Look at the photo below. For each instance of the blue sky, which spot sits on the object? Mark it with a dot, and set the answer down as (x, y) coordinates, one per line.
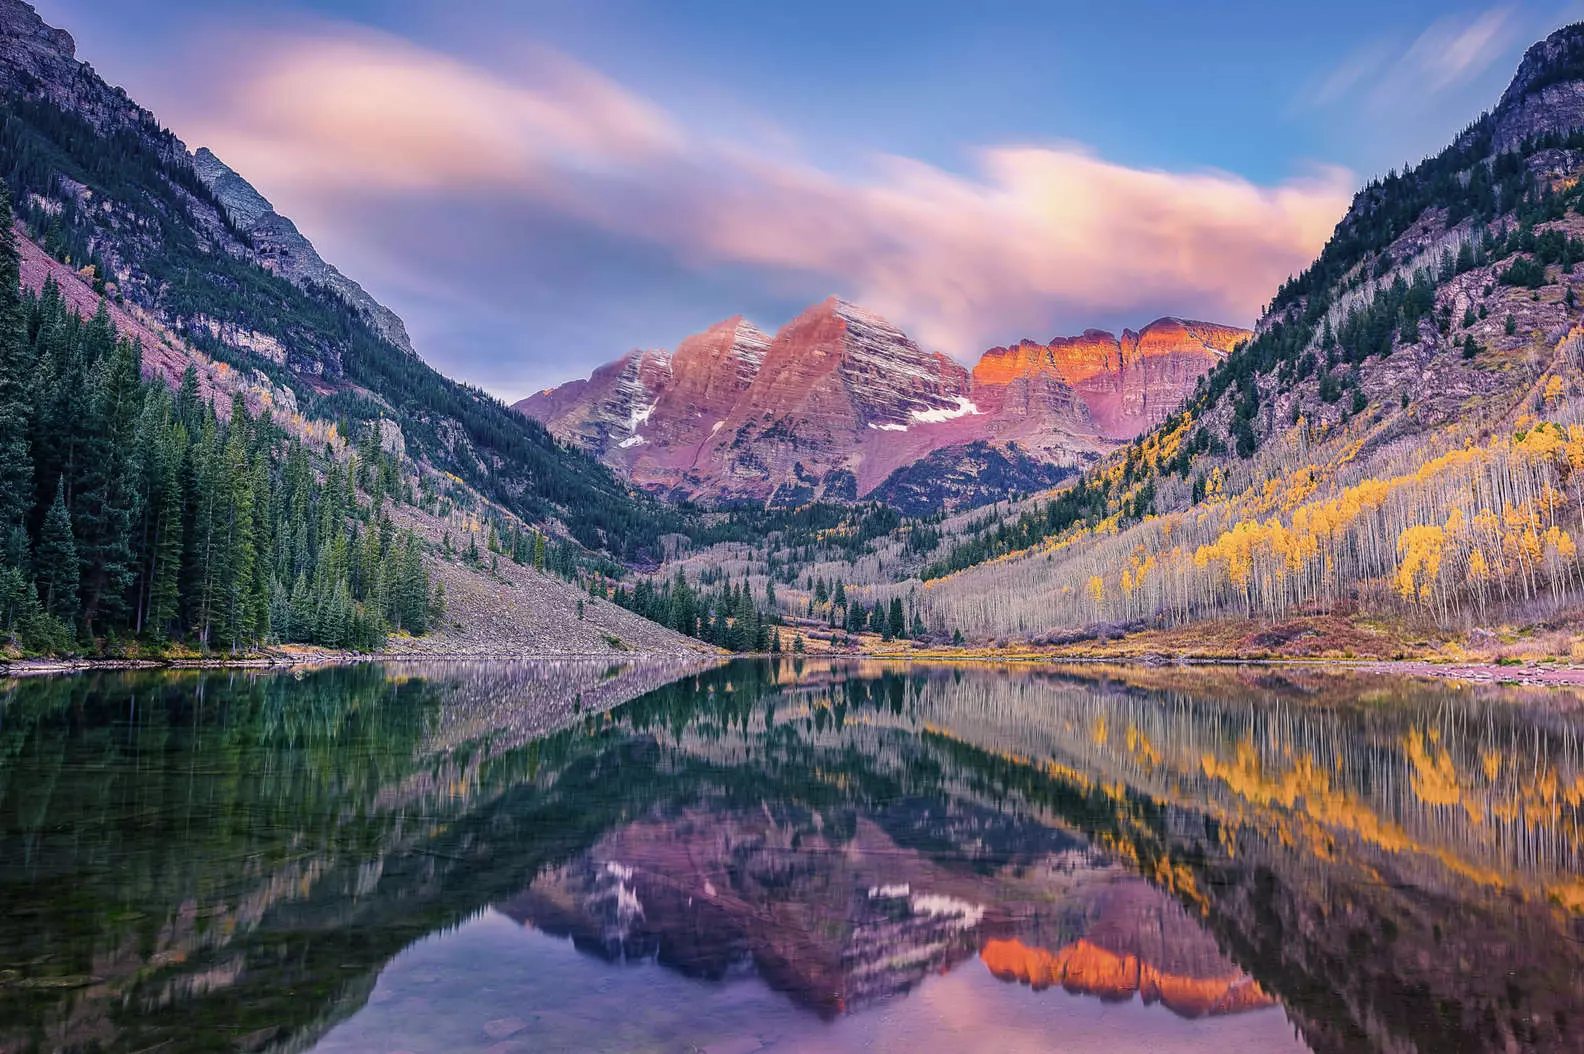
(538, 187)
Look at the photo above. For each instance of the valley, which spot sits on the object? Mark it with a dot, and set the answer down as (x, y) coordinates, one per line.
(1388, 464)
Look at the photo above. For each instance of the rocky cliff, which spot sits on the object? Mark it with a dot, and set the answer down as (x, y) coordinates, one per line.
(840, 401)
(1124, 385)
(1546, 94)
(281, 247)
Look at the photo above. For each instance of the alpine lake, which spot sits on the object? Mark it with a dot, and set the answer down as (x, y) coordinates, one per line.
(788, 855)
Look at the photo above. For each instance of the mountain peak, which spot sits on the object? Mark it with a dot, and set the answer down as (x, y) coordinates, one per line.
(1547, 92)
(1558, 57)
(241, 201)
(29, 42)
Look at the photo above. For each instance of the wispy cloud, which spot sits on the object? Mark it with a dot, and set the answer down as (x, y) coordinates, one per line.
(1032, 232)
(1409, 75)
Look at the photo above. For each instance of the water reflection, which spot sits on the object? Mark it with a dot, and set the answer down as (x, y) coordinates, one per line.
(789, 855)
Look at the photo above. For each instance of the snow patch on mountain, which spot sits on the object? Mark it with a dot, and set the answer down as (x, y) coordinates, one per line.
(639, 415)
(965, 406)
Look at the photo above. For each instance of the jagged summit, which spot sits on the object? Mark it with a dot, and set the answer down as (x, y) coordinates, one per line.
(840, 399)
(1547, 92)
(31, 46)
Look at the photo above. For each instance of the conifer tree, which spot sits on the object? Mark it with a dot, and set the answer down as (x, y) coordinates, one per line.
(166, 547)
(16, 465)
(55, 563)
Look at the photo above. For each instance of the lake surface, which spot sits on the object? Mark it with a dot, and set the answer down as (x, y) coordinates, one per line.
(788, 856)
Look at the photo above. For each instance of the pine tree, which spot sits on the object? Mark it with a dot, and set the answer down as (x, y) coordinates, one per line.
(104, 499)
(205, 532)
(55, 562)
(189, 410)
(239, 550)
(165, 557)
(16, 464)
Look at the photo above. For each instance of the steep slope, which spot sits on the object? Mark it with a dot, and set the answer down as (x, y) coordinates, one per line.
(830, 410)
(965, 477)
(281, 248)
(841, 401)
(601, 413)
(1403, 435)
(191, 247)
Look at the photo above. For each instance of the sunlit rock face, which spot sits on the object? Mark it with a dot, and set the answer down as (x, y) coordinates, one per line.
(603, 412)
(1120, 386)
(831, 411)
(827, 408)
(709, 373)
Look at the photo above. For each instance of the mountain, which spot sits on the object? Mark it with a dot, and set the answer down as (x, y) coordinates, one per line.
(840, 401)
(1403, 437)
(194, 252)
(967, 476)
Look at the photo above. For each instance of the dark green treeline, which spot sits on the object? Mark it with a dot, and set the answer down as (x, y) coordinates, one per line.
(127, 511)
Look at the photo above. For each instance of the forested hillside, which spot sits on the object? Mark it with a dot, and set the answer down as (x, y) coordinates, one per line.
(205, 446)
(127, 510)
(102, 187)
(1404, 432)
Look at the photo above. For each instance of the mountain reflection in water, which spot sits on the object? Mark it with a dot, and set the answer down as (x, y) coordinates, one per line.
(789, 855)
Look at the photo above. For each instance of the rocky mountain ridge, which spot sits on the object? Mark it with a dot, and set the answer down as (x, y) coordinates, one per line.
(281, 247)
(840, 400)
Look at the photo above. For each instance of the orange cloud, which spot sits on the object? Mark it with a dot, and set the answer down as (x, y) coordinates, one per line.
(961, 260)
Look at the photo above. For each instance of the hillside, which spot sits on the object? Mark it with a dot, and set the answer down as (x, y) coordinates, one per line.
(214, 439)
(842, 405)
(1402, 437)
(99, 184)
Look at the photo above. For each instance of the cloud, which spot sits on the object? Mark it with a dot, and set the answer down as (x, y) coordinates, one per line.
(1450, 53)
(1395, 77)
(1031, 233)
(383, 115)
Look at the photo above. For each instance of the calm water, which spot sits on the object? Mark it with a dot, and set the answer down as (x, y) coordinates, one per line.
(788, 858)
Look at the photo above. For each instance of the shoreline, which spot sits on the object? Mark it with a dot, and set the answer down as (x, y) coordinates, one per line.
(1527, 674)
(46, 666)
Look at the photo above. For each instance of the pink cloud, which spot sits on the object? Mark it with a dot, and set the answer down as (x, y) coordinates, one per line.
(961, 260)
(351, 109)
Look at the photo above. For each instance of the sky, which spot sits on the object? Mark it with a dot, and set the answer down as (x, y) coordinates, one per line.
(539, 186)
